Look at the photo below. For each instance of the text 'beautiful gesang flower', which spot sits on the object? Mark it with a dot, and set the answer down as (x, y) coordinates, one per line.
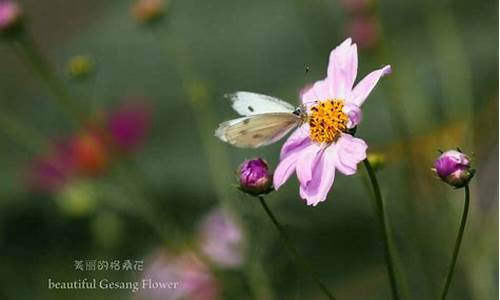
(324, 144)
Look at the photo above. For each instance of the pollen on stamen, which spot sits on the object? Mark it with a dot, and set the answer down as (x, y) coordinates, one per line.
(327, 121)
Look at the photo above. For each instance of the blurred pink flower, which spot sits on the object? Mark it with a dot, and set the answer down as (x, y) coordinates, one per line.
(83, 154)
(364, 31)
(129, 124)
(10, 14)
(50, 172)
(89, 152)
(325, 144)
(221, 239)
(194, 280)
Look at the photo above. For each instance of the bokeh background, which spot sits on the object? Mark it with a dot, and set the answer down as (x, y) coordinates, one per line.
(149, 195)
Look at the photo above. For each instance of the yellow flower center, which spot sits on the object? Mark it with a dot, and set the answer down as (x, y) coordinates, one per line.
(327, 121)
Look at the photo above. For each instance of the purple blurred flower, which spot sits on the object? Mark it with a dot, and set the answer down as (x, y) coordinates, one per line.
(129, 125)
(10, 14)
(50, 172)
(364, 31)
(454, 168)
(254, 177)
(221, 239)
(194, 280)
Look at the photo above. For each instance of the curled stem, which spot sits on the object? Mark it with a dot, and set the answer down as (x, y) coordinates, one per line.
(389, 257)
(303, 263)
(458, 242)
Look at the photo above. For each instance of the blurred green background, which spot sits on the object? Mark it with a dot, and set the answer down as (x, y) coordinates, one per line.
(443, 93)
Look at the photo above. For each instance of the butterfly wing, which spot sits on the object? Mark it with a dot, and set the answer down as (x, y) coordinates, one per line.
(249, 104)
(257, 130)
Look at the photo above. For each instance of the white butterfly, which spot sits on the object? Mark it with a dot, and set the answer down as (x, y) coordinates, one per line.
(266, 120)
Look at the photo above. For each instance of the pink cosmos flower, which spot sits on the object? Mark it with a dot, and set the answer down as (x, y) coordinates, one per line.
(221, 239)
(323, 145)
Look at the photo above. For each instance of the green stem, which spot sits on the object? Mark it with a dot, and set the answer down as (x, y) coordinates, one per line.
(30, 52)
(387, 238)
(306, 267)
(458, 241)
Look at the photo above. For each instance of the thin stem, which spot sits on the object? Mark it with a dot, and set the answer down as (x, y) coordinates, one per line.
(387, 238)
(30, 52)
(458, 241)
(307, 268)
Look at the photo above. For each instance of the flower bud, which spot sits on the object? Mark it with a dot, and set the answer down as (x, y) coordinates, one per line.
(254, 177)
(10, 15)
(80, 66)
(147, 11)
(454, 168)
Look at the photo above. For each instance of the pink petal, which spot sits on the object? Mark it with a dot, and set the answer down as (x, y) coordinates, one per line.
(284, 170)
(365, 86)
(323, 175)
(296, 140)
(291, 151)
(318, 92)
(306, 162)
(354, 113)
(348, 152)
(342, 69)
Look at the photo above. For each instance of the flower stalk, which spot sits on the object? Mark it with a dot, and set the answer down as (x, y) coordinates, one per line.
(303, 263)
(458, 242)
(389, 256)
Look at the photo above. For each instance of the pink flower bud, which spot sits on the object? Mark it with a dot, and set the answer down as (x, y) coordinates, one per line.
(254, 177)
(454, 168)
